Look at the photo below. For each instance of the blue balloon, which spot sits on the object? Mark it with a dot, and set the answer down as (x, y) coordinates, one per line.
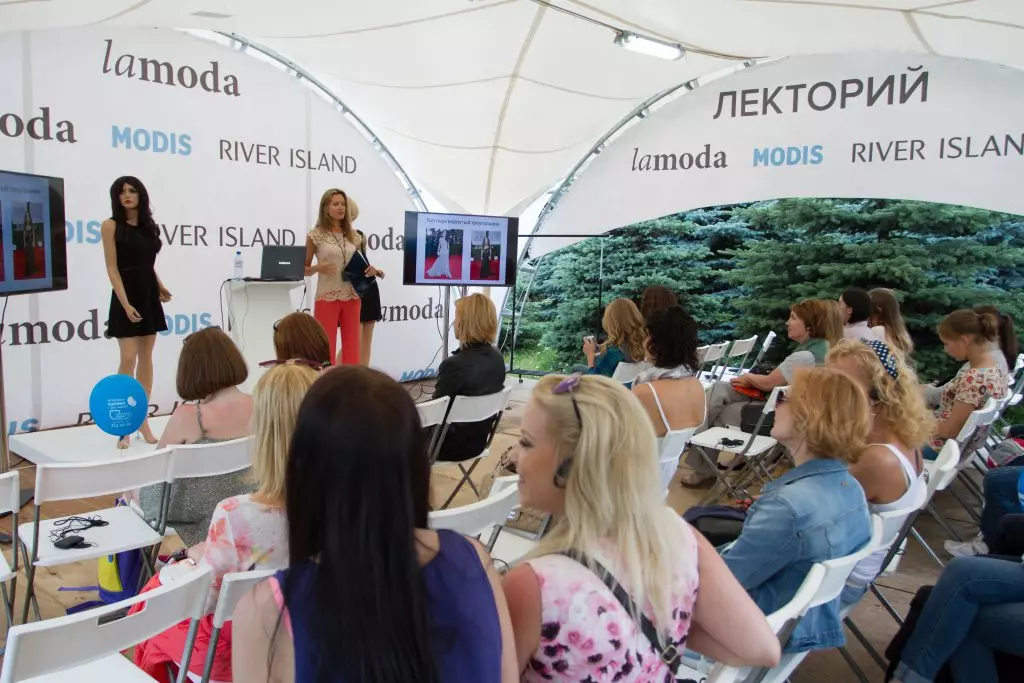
(118, 405)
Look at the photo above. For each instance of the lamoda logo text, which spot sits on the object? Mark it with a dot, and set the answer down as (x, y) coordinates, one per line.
(152, 70)
(44, 126)
(91, 328)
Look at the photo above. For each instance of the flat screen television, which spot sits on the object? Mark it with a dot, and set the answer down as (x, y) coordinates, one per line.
(32, 238)
(457, 249)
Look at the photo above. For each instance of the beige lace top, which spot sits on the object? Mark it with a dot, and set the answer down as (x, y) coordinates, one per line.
(332, 247)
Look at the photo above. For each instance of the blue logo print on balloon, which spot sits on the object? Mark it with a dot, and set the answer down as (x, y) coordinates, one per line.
(118, 405)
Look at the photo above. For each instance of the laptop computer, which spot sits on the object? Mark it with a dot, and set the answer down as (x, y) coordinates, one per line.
(283, 264)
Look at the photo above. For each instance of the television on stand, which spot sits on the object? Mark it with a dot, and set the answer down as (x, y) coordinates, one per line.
(32, 239)
(450, 249)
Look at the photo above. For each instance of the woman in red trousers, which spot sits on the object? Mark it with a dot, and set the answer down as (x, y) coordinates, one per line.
(333, 242)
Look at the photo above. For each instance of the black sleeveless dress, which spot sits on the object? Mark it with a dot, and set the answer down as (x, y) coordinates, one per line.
(369, 308)
(136, 254)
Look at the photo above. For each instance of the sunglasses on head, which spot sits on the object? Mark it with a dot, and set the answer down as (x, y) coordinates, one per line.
(294, 361)
(185, 340)
(567, 386)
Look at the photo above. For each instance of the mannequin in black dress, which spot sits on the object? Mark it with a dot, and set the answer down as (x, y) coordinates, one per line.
(131, 241)
(369, 311)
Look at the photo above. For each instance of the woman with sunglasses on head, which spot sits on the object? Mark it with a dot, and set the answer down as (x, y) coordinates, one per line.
(890, 469)
(815, 511)
(587, 456)
(372, 594)
(299, 335)
(131, 242)
(247, 532)
(210, 370)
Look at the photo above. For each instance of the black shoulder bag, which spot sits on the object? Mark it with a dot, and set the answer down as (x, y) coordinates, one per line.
(669, 655)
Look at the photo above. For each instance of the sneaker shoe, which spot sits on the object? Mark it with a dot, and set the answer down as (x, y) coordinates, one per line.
(976, 546)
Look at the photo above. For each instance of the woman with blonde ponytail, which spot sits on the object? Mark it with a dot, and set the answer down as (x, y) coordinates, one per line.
(587, 455)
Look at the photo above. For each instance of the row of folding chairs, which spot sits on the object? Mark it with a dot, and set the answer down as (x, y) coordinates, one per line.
(441, 413)
(125, 530)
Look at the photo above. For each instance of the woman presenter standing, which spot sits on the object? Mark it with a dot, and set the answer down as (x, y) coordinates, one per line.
(334, 242)
(131, 241)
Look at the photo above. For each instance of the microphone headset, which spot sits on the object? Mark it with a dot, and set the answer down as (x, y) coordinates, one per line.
(562, 473)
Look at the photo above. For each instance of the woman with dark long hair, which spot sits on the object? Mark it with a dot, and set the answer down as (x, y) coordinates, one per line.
(131, 241)
(372, 595)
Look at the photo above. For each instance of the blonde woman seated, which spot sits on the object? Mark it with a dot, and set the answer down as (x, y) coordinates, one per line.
(886, 321)
(247, 532)
(210, 370)
(625, 344)
(587, 455)
(890, 469)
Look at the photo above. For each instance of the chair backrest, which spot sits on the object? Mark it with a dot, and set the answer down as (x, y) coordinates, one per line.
(773, 400)
(741, 347)
(44, 647)
(502, 483)
(838, 570)
(714, 353)
(432, 412)
(10, 492)
(190, 461)
(944, 471)
(981, 417)
(68, 481)
(627, 372)
(471, 519)
(893, 521)
(232, 588)
(670, 449)
(767, 344)
(1017, 365)
(477, 408)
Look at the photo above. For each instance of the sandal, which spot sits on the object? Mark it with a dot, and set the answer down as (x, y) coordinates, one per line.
(124, 442)
(692, 480)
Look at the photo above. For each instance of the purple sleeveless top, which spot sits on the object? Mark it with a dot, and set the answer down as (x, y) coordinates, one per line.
(467, 632)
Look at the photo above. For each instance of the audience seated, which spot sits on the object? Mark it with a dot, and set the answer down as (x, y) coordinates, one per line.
(587, 455)
(815, 511)
(476, 368)
(890, 469)
(1001, 490)
(967, 336)
(812, 325)
(210, 369)
(625, 329)
(855, 305)
(974, 611)
(248, 531)
(1003, 347)
(299, 335)
(371, 594)
(670, 391)
(655, 298)
(887, 322)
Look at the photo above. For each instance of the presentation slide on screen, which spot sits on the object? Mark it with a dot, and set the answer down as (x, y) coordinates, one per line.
(25, 237)
(461, 250)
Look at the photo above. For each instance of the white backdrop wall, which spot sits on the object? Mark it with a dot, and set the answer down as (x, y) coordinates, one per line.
(858, 126)
(208, 203)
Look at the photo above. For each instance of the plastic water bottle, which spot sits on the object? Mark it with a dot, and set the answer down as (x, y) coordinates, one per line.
(238, 265)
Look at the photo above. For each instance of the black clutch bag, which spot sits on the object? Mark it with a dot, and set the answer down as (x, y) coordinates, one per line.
(355, 274)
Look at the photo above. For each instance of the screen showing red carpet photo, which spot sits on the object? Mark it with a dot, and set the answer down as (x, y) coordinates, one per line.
(435, 271)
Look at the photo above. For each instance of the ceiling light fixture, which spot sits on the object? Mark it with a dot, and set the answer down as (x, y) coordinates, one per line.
(211, 15)
(652, 47)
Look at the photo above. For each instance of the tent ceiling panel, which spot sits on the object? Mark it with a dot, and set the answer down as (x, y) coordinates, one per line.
(459, 89)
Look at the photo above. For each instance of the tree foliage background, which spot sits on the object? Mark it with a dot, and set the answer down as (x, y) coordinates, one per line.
(738, 268)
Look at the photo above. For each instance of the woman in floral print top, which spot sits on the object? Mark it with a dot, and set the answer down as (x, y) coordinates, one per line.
(967, 335)
(587, 455)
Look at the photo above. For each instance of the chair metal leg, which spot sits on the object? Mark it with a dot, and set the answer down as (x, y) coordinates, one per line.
(865, 644)
(924, 544)
(853, 665)
(933, 511)
(186, 653)
(8, 606)
(972, 487)
(464, 480)
(965, 505)
(30, 571)
(210, 653)
(887, 605)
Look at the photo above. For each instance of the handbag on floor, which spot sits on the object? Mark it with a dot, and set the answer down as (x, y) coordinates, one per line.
(523, 519)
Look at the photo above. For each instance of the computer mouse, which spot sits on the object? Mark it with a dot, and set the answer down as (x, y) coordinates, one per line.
(69, 542)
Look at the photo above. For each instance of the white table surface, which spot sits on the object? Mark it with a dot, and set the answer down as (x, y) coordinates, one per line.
(79, 444)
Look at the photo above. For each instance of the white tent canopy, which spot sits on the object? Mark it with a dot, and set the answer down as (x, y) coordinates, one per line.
(488, 103)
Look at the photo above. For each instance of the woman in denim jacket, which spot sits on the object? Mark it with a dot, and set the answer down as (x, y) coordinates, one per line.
(814, 512)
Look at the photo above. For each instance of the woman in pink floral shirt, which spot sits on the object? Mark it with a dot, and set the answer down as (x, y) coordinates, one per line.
(587, 455)
(967, 335)
(247, 532)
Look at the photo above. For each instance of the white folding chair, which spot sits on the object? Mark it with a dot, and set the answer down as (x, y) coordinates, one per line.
(836, 573)
(80, 648)
(713, 354)
(741, 349)
(971, 438)
(767, 344)
(432, 415)
(125, 530)
(627, 372)
(670, 450)
(10, 502)
(471, 409)
(756, 448)
(196, 461)
(232, 588)
(480, 517)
